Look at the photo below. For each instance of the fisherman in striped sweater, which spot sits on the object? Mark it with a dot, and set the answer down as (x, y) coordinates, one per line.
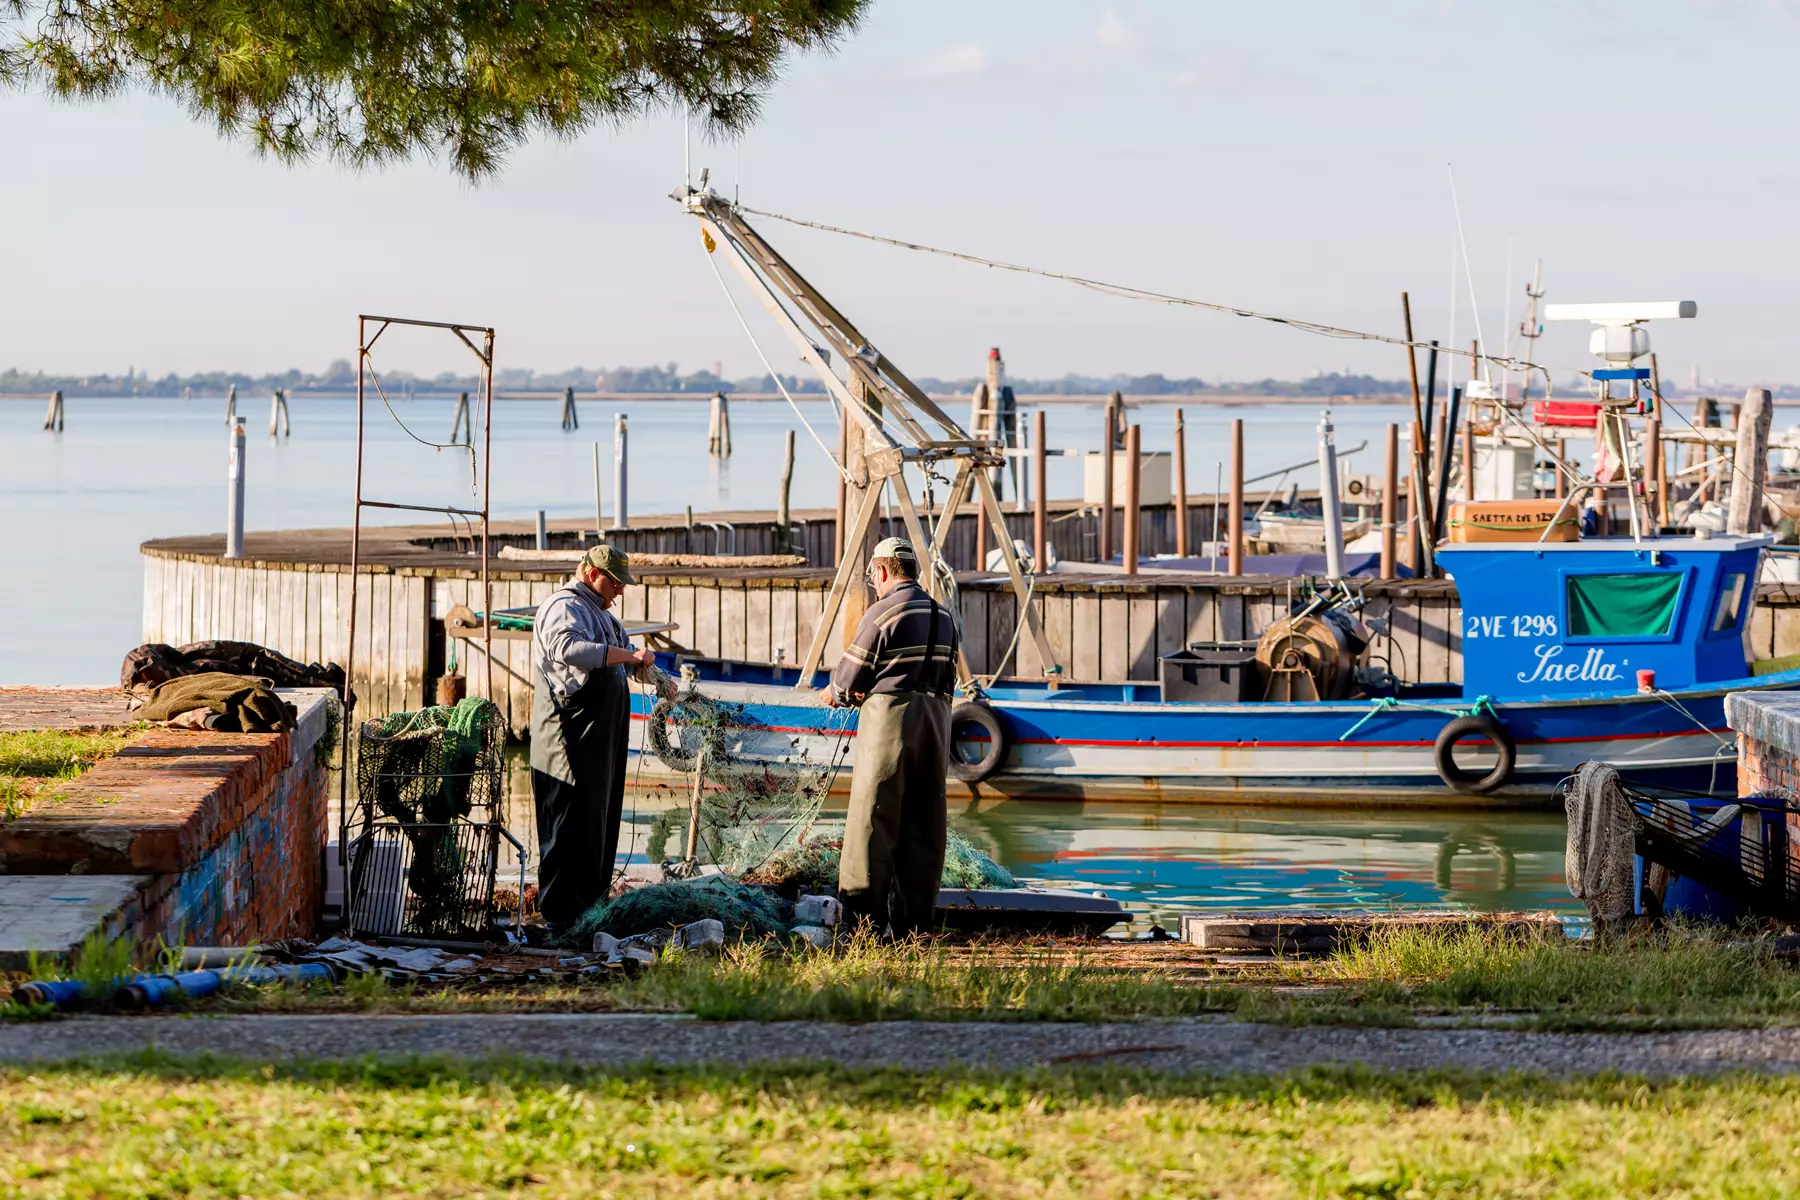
(900, 670)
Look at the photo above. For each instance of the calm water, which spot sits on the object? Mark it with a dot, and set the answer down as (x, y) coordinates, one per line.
(77, 504)
(1164, 859)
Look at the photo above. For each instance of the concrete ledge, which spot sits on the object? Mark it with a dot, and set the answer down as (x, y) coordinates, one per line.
(1772, 718)
(163, 802)
(52, 915)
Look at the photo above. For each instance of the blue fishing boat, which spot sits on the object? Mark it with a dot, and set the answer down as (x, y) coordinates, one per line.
(1610, 649)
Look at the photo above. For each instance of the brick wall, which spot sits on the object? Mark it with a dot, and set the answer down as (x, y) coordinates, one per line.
(226, 829)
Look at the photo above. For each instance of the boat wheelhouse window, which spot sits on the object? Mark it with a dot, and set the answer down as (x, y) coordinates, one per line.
(1731, 603)
(1641, 604)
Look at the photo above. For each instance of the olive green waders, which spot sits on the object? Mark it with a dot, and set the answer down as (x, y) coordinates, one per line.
(894, 835)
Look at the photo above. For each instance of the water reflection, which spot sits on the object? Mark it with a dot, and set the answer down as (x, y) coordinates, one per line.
(1163, 859)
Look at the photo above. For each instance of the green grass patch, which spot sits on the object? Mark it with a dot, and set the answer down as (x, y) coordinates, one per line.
(153, 1127)
(1679, 976)
(33, 762)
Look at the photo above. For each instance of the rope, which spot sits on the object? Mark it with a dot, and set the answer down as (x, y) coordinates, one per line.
(773, 374)
(1126, 292)
(376, 380)
(1482, 704)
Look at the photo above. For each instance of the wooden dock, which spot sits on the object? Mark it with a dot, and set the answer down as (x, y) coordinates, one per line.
(291, 591)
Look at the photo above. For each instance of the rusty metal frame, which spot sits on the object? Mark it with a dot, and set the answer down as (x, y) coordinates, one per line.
(485, 393)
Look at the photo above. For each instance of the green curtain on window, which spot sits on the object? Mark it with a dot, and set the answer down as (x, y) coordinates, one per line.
(1639, 605)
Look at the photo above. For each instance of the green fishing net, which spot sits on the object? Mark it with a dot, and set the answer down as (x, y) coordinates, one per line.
(743, 909)
(813, 863)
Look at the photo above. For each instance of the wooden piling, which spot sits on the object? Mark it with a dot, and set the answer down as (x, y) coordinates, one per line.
(599, 520)
(1181, 503)
(231, 405)
(1468, 457)
(1234, 549)
(1750, 464)
(570, 420)
(718, 429)
(1562, 480)
(1040, 469)
(1418, 501)
(53, 415)
(462, 426)
(621, 473)
(279, 423)
(1390, 500)
(1106, 483)
(862, 490)
(1133, 464)
(783, 513)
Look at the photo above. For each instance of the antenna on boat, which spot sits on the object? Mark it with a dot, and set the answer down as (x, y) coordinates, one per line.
(1620, 339)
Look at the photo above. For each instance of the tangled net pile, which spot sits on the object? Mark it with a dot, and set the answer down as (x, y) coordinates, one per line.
(752, 808)
(424, 771)
(759, 822)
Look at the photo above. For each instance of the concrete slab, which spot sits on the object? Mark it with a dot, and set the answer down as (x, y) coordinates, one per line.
(52, 914)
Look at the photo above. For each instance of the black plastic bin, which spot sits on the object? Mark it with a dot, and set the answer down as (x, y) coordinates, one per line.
(1211, 672)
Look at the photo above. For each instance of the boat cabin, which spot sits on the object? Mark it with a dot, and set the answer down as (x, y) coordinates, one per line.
(1580, 617)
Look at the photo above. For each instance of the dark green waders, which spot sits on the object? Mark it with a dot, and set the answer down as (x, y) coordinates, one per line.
(894, 835)
(579, 756)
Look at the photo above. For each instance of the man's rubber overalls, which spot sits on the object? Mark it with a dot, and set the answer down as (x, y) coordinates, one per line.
(578, 764)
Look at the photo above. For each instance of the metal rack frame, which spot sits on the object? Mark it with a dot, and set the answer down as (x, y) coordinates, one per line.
(365, 342)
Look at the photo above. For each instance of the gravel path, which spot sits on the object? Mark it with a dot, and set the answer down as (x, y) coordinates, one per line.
(624, 1039)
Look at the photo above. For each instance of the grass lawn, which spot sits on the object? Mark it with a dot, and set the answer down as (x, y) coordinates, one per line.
(33, 762)
(1678, 978)
(157, 1128)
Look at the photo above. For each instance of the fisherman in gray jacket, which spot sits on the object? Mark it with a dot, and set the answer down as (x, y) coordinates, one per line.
(900, 669)
(580, 728)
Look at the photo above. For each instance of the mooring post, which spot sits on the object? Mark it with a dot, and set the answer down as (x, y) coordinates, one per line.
(621, 513)
(693, 829)
(53, 415)
(1181, 504)
(571, 421)
(1329, 499)
(783, 514)
(1750, 464)
(234, 493)
(231, 404)
(462, 425)
(1234, 547)
(1040, 464)
(1390, 499)
(1468, 457)
(1106, 483)
(543, 532)
(718, 429)
(1133, 443)
(278, 414)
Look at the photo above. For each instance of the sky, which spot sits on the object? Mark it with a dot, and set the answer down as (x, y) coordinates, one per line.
(1292, 157)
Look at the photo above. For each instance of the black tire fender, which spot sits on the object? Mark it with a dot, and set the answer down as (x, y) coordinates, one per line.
(998, 743)
(1469, 783)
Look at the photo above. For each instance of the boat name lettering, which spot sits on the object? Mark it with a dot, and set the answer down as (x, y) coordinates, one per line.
(1517, 625)
(1592, 668)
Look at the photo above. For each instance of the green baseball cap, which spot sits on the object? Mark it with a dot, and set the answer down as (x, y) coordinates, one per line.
(610, 561)
(898, 548)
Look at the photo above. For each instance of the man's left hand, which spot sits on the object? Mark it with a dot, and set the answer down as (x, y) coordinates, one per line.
(828, 696)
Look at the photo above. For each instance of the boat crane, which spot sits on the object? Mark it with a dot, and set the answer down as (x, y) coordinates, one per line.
(900, 423)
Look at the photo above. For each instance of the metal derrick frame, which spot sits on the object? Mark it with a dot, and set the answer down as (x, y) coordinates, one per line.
(903, 407)
(485, 354)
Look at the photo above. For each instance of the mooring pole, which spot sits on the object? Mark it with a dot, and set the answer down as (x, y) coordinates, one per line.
(234, 493)
(783, 513)
(53, 416)
(1106, 484)
(1234, 547)
(231, 404)
(1329, 500)
(599, 518)
(621, 513)
(1390, 500)
(543, 532)
(570, 420)
(1417, 501)
(279, 424)
(1040, 468)
(1181, 504)
(1133, 443)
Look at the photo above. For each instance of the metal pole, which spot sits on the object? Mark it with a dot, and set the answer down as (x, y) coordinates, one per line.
(1040, 466)
(487, 509)
(1106, 486)
(1390, 500)
(543, 532)
(1441, 495)
(621, 510)
(1328, 500)
(1132, 496)
(1234, 549)
(234, 493)
(1181, 504)
(783, 513)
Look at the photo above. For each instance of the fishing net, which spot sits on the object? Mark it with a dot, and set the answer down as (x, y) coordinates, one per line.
(427, 777)
(744, 910)
(813, 863)
(761, 792)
